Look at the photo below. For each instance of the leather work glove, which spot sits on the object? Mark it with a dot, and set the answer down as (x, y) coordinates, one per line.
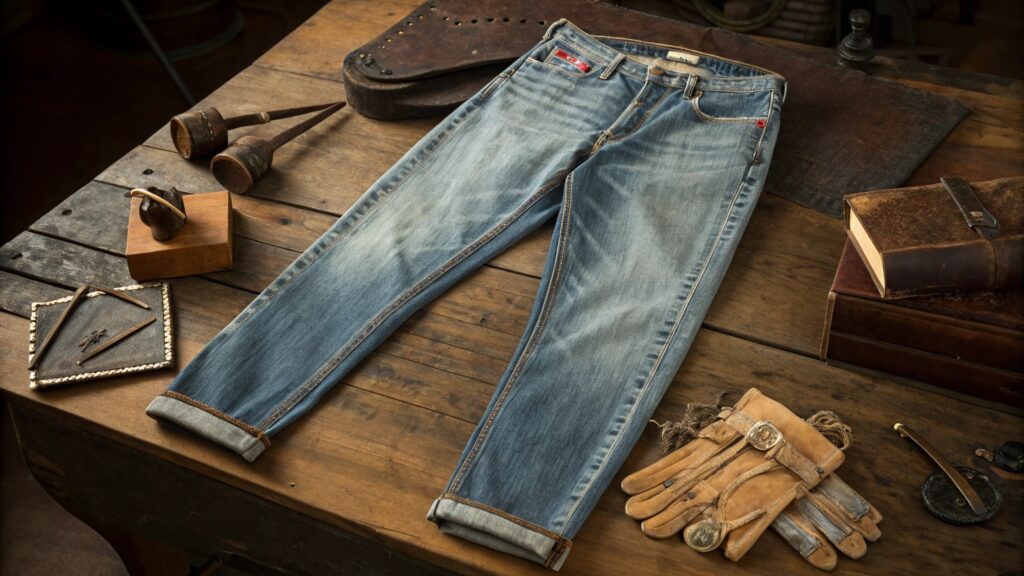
(832, 512)
(729, 484)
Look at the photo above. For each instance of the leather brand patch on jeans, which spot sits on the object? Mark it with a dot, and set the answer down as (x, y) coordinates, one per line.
(650, 174)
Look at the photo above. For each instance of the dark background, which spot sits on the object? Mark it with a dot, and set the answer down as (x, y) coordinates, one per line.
(80, 87)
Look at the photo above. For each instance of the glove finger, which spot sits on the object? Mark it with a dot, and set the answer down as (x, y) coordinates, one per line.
(657, 499)
(714, 438)
(840, 533)
(671, 520)
(680, 512)
(857, 512)
(639, 505)
(798, 530)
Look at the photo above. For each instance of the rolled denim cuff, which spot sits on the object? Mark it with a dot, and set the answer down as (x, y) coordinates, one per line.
(499, 531)
(209, 423)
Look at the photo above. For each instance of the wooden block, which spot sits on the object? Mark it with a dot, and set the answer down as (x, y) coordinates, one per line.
(202, 245)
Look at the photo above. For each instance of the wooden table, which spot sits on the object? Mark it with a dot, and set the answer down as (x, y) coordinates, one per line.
(346, 489)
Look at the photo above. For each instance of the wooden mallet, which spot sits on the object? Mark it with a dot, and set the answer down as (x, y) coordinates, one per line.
(203, 133)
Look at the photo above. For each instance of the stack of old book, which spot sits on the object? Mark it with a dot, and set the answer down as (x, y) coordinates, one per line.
(929, 287)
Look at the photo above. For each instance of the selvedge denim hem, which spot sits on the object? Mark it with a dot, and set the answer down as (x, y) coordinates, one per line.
(649, 158)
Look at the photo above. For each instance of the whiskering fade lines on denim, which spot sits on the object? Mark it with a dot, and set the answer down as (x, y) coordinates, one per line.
(649, 158)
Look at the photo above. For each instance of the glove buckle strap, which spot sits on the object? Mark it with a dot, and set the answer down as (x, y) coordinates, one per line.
(710, 532)
(763, 435)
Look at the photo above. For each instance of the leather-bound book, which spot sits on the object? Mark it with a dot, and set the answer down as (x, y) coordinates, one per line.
(969, 342)
(940, 238)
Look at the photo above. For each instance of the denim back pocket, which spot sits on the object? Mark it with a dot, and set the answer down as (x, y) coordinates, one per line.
(731, 106)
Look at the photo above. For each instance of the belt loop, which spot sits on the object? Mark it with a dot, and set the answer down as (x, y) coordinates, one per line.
(691, 82)
(552, 28)
(785, 89)
(611, 67)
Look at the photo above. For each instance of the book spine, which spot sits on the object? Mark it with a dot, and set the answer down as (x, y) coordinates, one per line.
(953, 374)
(963, 340)
(1009, 254)
(937, 269)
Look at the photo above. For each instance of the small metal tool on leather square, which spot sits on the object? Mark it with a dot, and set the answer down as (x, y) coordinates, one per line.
(146, 348)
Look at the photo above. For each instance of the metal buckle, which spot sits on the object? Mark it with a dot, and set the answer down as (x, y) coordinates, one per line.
(704, 536)
(763, 435)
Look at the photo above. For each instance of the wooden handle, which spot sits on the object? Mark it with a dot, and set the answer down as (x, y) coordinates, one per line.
(75, 299)
(282, 138)
(159, 200)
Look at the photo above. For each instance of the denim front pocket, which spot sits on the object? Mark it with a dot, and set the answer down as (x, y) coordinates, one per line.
(731, 106)
(565, 60)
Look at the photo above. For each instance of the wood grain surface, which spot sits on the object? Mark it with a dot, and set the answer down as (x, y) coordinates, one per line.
(369, 459)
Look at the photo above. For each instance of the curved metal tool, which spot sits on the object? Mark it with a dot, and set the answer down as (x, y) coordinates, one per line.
(965, 489)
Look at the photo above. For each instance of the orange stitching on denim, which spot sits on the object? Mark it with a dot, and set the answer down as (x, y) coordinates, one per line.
(207, 408)
(514, 519)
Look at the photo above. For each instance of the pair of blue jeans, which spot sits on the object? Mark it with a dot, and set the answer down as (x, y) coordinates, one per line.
(650, 159)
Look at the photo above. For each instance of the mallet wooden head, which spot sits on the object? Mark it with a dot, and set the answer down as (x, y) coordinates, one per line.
(199, 133)
(203, 133)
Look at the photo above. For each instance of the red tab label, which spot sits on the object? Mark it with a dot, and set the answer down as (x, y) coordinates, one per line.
(579, 64)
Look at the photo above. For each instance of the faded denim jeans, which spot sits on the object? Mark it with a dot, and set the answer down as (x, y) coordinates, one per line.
(650, 159)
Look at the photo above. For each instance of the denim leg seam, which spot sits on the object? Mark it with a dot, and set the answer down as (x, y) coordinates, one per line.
(372, 325)
(665, 347)
(388, 192)
(535, 336)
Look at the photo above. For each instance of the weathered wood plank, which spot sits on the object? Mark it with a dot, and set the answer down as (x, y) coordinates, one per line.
(459, 361)
(62, 263)
(18, 292)
(318, 47)
(482, 340)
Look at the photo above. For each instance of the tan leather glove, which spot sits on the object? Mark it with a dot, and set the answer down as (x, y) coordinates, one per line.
(733, 480)
(832, 512)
